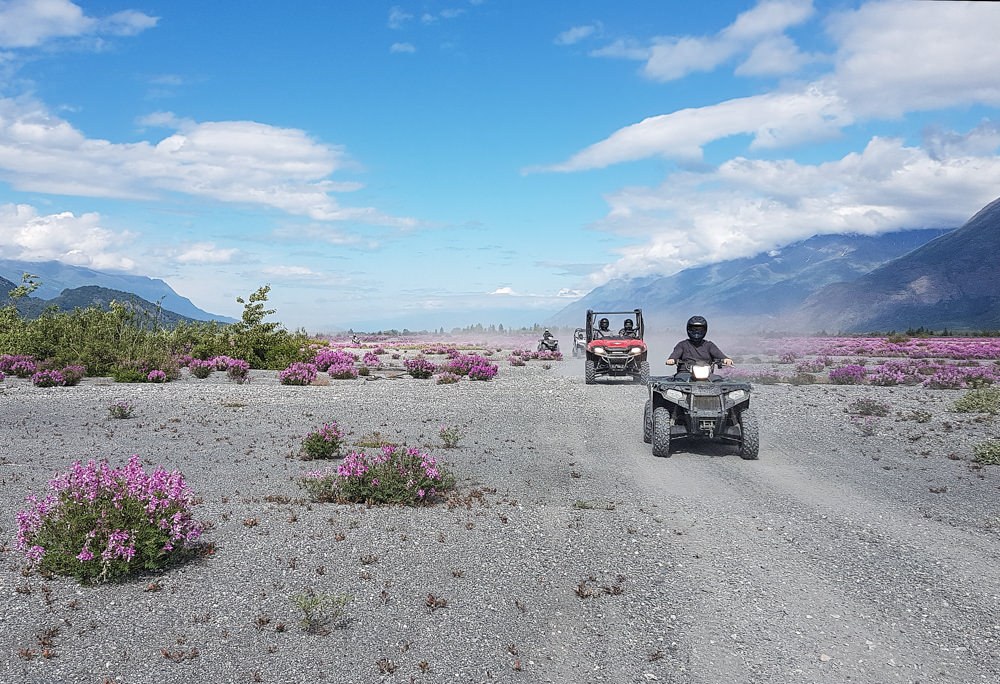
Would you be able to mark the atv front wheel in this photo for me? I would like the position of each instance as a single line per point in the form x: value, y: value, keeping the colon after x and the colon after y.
x: 661, y: 432
x: 647, y: 422
x: 589, y: 372
x: 749, y: 436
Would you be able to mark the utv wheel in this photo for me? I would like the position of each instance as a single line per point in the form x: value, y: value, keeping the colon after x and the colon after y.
x: 644, y: 373
x: 750, y: 436
x: 661, y: 432
x: 647, y: 422
x: 589, y: 372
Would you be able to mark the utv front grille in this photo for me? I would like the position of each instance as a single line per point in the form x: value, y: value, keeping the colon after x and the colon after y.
x: 707, y: 403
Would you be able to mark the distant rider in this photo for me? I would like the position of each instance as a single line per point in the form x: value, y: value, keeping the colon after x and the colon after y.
x: 696, y: 349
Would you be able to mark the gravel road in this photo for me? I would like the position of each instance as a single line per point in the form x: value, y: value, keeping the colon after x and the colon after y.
x: 569, y: 554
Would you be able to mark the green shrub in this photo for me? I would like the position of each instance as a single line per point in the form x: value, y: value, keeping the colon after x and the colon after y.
x: 987, y: 453
x: 982, y: 400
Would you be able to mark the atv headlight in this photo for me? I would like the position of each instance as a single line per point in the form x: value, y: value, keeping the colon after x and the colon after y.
x: 735, y: 397
x: 635, y: 351
x: 599, y: 351
x: 674, y: 395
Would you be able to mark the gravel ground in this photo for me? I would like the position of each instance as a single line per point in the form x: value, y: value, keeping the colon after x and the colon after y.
x: 569, y: 553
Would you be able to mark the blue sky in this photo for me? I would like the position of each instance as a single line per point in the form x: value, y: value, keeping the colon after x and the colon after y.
x: 426, y: 164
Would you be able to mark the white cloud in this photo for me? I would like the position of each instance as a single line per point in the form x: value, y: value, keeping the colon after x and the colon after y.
x: 78, y: 240
x: 30, y: 23
x: 577, y: 33
x: 292, y: 272
x: 205, y: 253
x: 748, y: 206
x: 773, y: 119
x: 229, y: 161
x: 892, y: 58
x: 773, y: 57
x: 398, y: 17
x: 402, y: 48
x: 755, y: 30
x: 505, y: 291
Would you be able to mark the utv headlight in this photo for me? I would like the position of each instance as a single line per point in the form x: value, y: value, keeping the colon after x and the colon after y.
x: 674, y: 395
x: 635, y: 351
x: 599, y: 351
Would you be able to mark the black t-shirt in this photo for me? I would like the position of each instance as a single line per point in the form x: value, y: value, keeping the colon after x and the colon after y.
x: 688, y: 353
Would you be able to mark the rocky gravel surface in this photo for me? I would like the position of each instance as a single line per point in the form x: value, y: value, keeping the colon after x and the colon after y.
x: 567, y: 554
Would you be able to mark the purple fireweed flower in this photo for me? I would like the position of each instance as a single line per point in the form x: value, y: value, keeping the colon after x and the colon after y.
x: 298, y: 374
x: 156, y: 376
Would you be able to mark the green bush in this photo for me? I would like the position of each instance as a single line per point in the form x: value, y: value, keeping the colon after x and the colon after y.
x: 867, y: 406
x: 987, y: 453
x: 982, y: 400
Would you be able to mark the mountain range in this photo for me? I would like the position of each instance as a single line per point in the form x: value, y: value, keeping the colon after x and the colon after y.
x: 58, y: 283
x: 934, y: 278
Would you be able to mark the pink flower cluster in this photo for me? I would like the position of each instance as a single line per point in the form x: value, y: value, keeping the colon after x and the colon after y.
x: 333, y: 357
x: 298, y: 374
x: 103, y: 497
x: 21, y: 365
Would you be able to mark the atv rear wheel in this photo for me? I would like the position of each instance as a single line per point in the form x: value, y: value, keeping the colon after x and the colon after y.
x: 749, y: 436
x: 661, y: 432
x: 647, y: 422
x: 589, y: 372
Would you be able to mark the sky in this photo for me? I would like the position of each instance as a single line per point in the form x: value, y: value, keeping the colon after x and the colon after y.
x: 442, y: 163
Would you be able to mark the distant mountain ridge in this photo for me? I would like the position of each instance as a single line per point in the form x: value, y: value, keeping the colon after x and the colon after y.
x: 55, y: 277
x: 951, y: 282
x: 761, y: 290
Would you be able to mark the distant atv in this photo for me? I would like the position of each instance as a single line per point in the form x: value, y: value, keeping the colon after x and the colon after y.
x: 549, y: 344
x: 579, y: 342
x: 618, y: 354
x: 705, y: 407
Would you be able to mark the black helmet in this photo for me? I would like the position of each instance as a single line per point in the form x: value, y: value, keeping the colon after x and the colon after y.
x: 697, y: 328
x: 603, y: 324
x: 628, y: 324
x: 546, y: 334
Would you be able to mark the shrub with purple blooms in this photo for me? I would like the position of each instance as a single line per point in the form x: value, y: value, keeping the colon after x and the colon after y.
x: 448, y: 378
x: 333, y: 357
x: 298, y: 374
x: 238, y: 370
x: 201, y: 368
x: 851, y: 374
x: 47, y: 378
x: 72, y: 375
x: 372, y: 360
x: 419, y: 368
x: 100, y: 524
x: 517, y: 360
x: 483, y: 371
x: 343, y: 371
x: 325, y: 442
x: 394, y: 475
x: 156, y: 376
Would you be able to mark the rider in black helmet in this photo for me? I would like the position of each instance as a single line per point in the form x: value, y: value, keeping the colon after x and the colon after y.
x: 696, y: 349
x: 603, y: 327
x: 628, y: 329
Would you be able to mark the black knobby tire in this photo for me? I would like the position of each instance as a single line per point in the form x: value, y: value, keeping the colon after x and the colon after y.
x: 661, y: 432
x: 589, y: 372
x: 647, y: 422
x: 643, y: 376
x: 750, y: 436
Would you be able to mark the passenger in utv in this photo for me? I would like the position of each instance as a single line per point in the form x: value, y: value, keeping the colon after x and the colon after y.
x: 696, y: 350
x: 628, y: 329
x: 603, y: 328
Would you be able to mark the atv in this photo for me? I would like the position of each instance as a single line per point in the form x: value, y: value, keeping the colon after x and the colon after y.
x: 549, y: 344
x: 615, y: 354
x: 579, y: 342
x: 706, y: 406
